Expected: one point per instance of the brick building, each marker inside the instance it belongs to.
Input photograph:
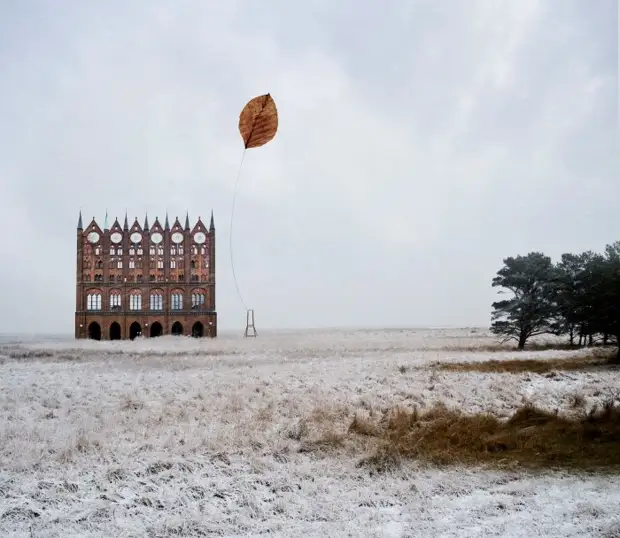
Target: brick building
(140, 280)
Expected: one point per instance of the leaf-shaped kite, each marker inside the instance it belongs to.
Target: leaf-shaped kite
(258, 121)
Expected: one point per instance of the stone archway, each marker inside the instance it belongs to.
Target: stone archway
(156, 329)
(115, 331)
(177, 329)
(135, 329)
(94, 331)
(198, 330)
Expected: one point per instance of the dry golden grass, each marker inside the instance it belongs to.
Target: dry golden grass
(597, 359)
(530, 438)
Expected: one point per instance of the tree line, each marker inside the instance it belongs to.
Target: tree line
(579, 296)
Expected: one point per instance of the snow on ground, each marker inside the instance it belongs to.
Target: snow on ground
(185, 437)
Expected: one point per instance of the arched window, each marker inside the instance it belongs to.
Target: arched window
(93, 301)
(173, 264)
(132, 251)
(115, 300)
(173, 251)
(177, 301)
(140, 251)
(152, 251)
(135, 300)
(97, 251)
(198, 299)
(132, 264)
(160, 251)
(157, 300)
(194, 250)
(202, 250)
(99, 264)
(180, 250)
(111, 251)
(193, 264)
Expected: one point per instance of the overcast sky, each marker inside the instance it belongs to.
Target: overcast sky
(420, 142)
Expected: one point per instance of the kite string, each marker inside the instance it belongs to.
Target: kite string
(232, 214)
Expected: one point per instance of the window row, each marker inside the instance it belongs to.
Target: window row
(137, 264)
(180, 277)
(156, 301)
(117, 251)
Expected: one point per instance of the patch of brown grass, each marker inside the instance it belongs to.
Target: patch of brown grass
(531, 437)
(510, 346)
(537, 366)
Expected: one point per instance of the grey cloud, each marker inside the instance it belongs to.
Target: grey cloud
(420, 142)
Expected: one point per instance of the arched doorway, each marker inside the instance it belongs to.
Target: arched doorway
(156, 329)
(135, 330)
(198, 330)
(115, 331)
(94, 331)
(177, 328)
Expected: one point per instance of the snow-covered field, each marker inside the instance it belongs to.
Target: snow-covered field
(180, 437)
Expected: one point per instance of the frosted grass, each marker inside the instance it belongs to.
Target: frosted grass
(185, 437)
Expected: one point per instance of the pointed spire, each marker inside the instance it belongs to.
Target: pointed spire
(126, 225)
(116, 224)
(80, 221)
(187, 220)
(167, 224)
(146, 223)
(105, 221)
(212, 225)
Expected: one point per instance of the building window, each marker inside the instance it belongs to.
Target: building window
(205, 264)
(157, 301)
(194, 250)
(181, 277)
(132, 264)
(115, 300)
(177, 301)
(140, 252)
(139, 278)
(99, 278)
(135, 301)
(173, 264)
(181, 263)
(198, 300)
(93, 301)
(112, 251)
(97, 251)
(160, 251)
(151, 278)
(180, 250)
(119, 251)
(132, 251)
(193, 264)
(202, 250)
(194, 278)
(173, 251)
(119, 264)
(160, 264)
(152, 251)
